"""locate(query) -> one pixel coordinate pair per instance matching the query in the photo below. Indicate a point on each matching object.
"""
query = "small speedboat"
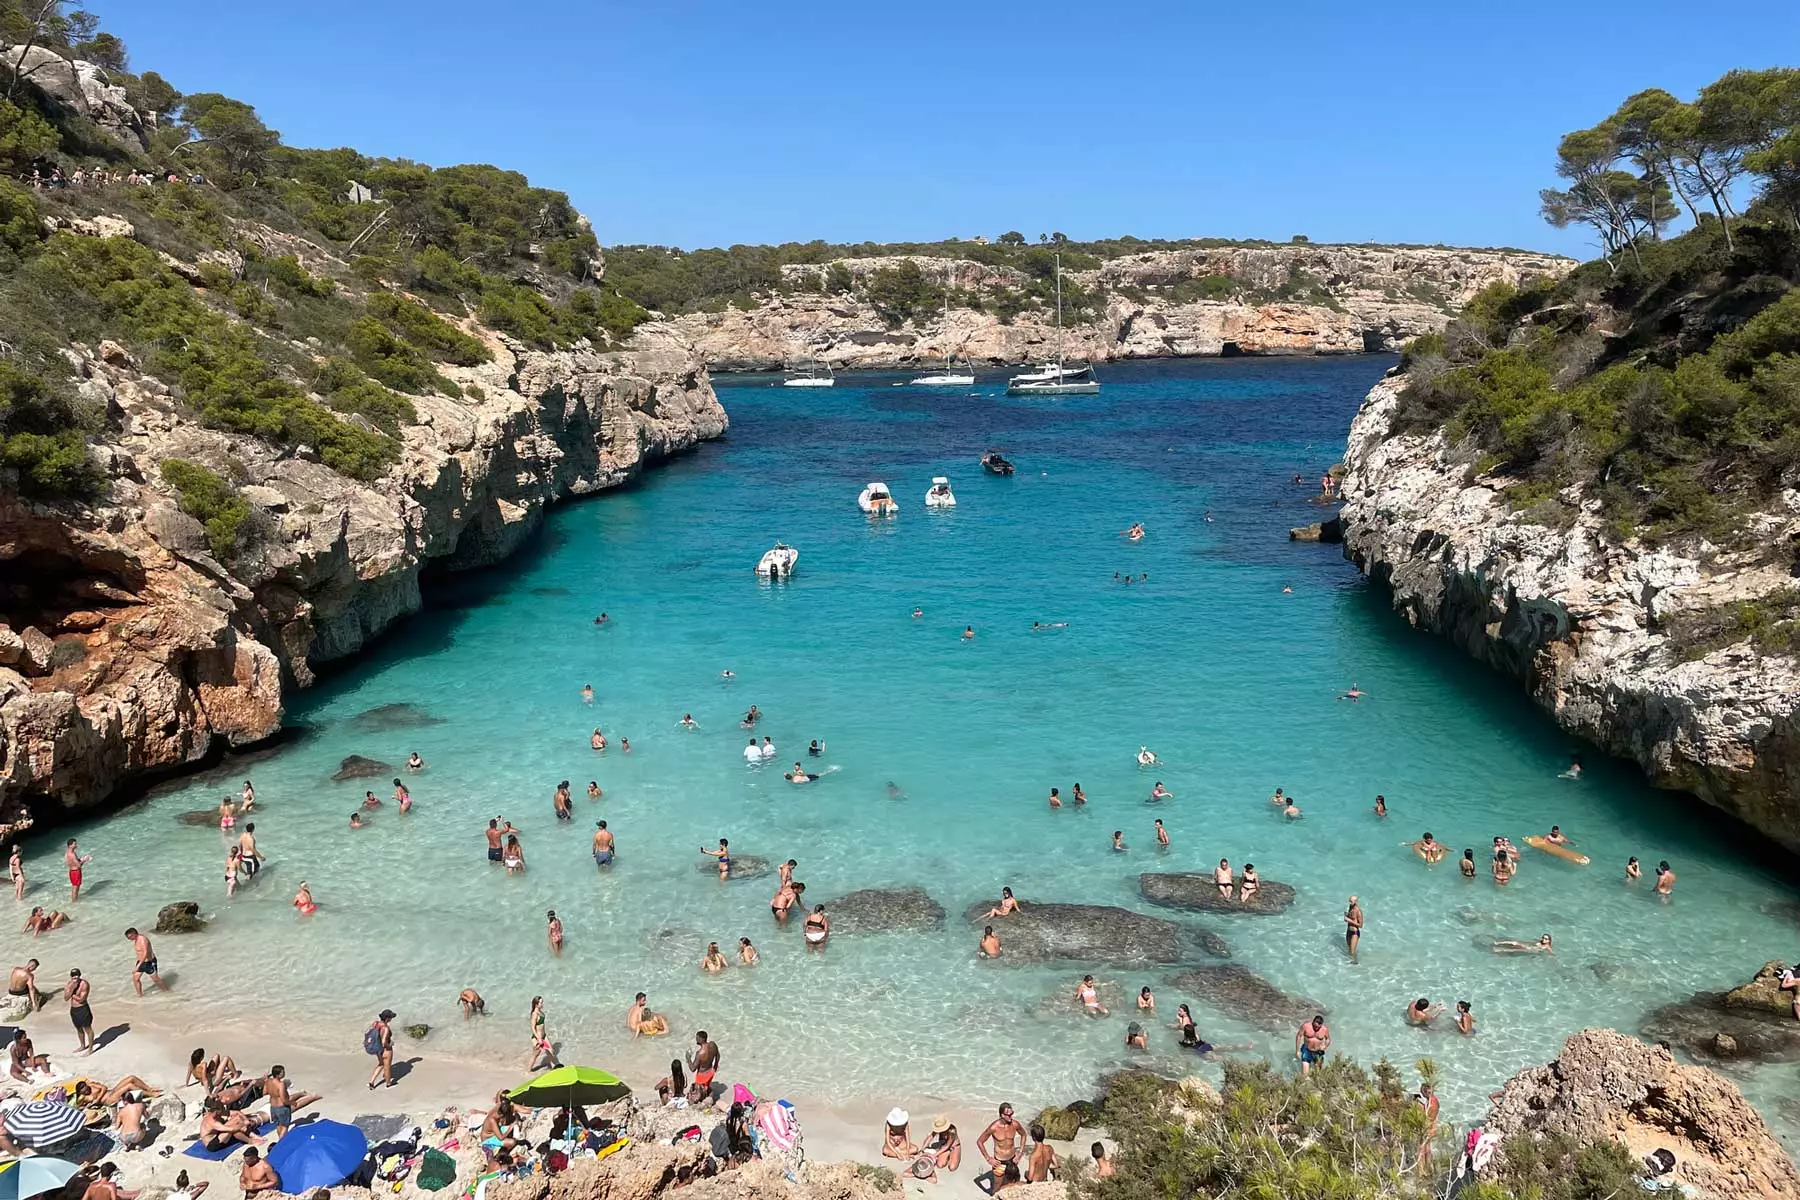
(940, 495)
(779, 562)
(994, 463)
(877, 501)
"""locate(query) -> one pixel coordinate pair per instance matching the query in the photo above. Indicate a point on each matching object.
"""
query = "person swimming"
(414, 762)
(1119, 839)
(1355, 693)
(751, 716)
(1422, 1012)
(1381, 806)
(687, 721)
(1146, 757)
(1428, 849)
(1511, 946)
(587, 693)
(1467, 865)
(1574, 771)
(1555, 837)
(815, 748)
(1162, 834)
(1292, 811)
(798, 775)
(968, 633)
(593, 790)
(1159, 792)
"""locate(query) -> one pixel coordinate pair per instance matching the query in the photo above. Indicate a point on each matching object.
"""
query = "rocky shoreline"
(130, 651)
(1358, 299)
(1581, 619)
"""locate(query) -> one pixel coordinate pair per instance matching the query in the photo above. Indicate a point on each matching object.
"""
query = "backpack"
(372, 1040)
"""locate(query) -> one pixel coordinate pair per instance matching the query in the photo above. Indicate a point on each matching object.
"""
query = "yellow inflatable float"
(1563, 852)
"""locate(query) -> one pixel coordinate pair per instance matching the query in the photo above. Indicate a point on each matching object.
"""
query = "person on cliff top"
(74, 860)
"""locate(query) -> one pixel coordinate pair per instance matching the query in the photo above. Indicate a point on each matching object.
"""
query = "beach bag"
(436, 1171)
(372, 1040)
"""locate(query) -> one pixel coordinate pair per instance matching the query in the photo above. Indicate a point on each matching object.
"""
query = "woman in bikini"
(42, 922)
(1248, 888)
(303, 900)
(1090, 997)
(514, 859)
(818, 927)
(540, 1039)
(248, 800)
(227, 813)
(17, 866)
(232, 858)
(1007, 906)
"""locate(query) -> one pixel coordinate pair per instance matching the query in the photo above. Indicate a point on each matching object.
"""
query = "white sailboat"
(809, 374)
(1055, 379)
(951, 374)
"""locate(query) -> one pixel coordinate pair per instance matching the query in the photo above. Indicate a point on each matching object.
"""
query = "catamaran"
(810, 374)
(1055, 379)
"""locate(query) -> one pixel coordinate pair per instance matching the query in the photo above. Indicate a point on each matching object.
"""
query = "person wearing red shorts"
(75, 860)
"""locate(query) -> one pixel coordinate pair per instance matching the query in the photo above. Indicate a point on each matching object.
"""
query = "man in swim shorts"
(1005, 1135)
(74, 860)
(146, 963)
(1311, 1041)
(603, 845)
(283, 1103)
(495, 836)
(703, 1060)
(24, 983)
(80, 1015)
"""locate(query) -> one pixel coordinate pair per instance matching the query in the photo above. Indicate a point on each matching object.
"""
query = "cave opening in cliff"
(1231, 350)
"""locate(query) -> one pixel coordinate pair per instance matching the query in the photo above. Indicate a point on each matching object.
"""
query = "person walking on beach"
(74, 860)
(80, 1015)
(146, 967)
(1311, 1041)
(283, 1103)
(542, 1052)
(378, 1039)
(1002, 1140)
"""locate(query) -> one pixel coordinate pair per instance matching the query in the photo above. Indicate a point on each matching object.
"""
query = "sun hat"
(940, 1124)
(897, 1117)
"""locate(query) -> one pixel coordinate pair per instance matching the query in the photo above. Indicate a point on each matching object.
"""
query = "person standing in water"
(1353, 928)
(145, 967)
(1665, 878)
(723, 854)
(556, 932)
(1633, 872)
(250, 859)
(1162, 835)
(74, 860)
(1311, 1041)
(603, 845)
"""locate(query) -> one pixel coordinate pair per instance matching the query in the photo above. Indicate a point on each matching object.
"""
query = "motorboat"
(877, 501)
(994, 463)
(940, 495)
(811, 374)
(779, 562)
(1054, 378)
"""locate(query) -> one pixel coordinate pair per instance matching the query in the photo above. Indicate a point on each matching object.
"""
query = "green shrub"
(436, 337)
(390, 359)
(24, 137)
(210, 500)
(44, 439)
(346, 389)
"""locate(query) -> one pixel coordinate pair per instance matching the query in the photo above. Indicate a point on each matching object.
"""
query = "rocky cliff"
(126, 648)
(1583, 620)
(1357, 298)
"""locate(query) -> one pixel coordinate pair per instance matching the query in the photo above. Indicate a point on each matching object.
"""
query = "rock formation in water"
(1199, 892)
(885, 910)
(1375, 297)
(1605, 1085)
(1095, 933)
(128, 649)
(1754, 1021)
(1580, 618)
(1241, 993)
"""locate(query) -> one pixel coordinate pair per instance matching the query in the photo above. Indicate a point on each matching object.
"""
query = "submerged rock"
(1606, 1086)
(1084, 932)
(393, 716)
(884, 910)
(1240, 992)
(198, 816)
(1211, 943)
(743, 866)
(1198, 892)
(358, 767)
(1697, 1024)
(181, 917)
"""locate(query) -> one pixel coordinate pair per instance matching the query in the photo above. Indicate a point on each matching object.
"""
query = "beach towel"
(780, 1126)
(437, 1171)
(198, 1149)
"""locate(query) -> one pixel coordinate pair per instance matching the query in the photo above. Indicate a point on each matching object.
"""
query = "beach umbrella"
(38, 1123)
(571, 1086)
(34, 1176)
(320, 1154)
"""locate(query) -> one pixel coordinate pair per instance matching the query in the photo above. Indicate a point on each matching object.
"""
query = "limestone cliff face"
(1579, 618)
(1380, 297)
(128, 649)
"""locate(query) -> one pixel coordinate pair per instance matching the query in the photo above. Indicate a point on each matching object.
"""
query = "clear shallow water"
(1232, 681)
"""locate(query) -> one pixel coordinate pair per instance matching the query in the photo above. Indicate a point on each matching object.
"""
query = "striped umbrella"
(39, 1123)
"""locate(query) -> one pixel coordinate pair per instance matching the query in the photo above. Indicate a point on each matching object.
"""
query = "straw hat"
(897, 1117)
(940, 1124)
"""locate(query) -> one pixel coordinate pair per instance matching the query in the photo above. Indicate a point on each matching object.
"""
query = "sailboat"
(1055, 379)
(809, 374)
(951, 375)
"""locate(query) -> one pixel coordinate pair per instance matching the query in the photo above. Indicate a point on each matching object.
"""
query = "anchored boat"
(940, 495)
(1055, 379)
(877, 501)
(994, 463)
(811, 374)
(779, 562)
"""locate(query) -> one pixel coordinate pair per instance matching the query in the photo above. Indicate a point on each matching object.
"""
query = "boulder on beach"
(1707, 1027)
(181, 917)
(1097, 933)
(1060, 1124)
(884, 910)
(1606, 1086)
(1240, 992)
(358, 767)
(743, 866)
(1197, 892)
(392, 716)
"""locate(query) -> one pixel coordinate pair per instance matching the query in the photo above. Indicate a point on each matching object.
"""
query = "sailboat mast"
(1059, 332)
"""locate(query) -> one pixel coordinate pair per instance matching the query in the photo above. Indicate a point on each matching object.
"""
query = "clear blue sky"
(702, 123)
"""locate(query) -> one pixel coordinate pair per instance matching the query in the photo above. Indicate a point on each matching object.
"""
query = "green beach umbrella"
(570, 1085)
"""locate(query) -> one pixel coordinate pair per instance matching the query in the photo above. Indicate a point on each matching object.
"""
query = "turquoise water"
(1232, 681)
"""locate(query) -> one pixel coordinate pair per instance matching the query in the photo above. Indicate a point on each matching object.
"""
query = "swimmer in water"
(1286, 590)
(990, 943)
(688, 722)
(1146, 757)
(817, 927)
(1162, 835)
(356, 820)
(1381, 806)
(1427, 849)
(1465, 1019)
(303, 900)
(768, 747)
(1355, 693)
(798, 775)
(968, 633)
(371, 800)
(1159, 792)
(1503, 868)
(602, 619)
(587, 693)
(414, 762)
(1279, 799)
(594, 792)
(1510, 946)
(714, 962)
(1555, 836)
(1007, 906)
(1292, 811)
(1055, 798)
(1574, 771)
(747, 955)
(1467, 865)
(1633, 872)
(624, 745)
(597, 740)
(815, 748)
(1119, 839)
(894, 792)
(917, 613)
(751, 716)
(1080, 796)
(1422, 1012)
(249, 795)
(1135, 532)
(727, 674)
(1353, 928)
(1665, 878)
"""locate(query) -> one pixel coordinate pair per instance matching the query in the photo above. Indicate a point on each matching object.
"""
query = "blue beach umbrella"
(34, 1176)
(39, 1123)
(322, 1154)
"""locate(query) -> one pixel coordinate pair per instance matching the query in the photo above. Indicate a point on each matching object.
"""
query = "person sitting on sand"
(128, 1121)
(220, 1129)
(942, 1150)
(1007, 906)
(471, 1003)
(990, 943)
(26, 1059)
(1429, 849)
(210, 1073)
(1510, 946)
(1422, 1012)
(105, 1185)
(42, 922)
(895, 1141)
(24, 983)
